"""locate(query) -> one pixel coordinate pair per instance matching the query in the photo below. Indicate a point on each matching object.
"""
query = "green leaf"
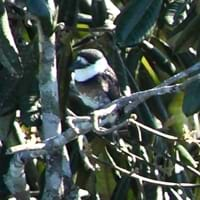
(69, 10)
(122, 188)
(186, 156)
(9, 56)
(38, 8)
(191, 103)
(8, 85)
(44, 10)
(28, 90)
(136, 21)
(98, 12)
(178, 122)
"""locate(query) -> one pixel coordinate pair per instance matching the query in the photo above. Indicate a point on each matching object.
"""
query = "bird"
(96, 84)
(94, 79)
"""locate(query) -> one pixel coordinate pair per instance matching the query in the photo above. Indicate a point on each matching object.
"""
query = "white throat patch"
(82, 75)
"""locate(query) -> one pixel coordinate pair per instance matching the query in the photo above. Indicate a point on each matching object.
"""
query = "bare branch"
(191, 71)
(84, 124)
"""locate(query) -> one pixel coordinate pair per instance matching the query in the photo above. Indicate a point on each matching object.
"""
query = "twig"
(71, 113)
(154, 131)
(105, 131)
(142, 178)
(190, 168)
(25, 147)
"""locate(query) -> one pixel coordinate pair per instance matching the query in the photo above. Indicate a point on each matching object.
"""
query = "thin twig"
(145, 179)
(154, 131)
(105, 131)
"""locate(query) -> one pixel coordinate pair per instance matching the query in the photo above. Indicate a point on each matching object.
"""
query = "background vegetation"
(147, 42)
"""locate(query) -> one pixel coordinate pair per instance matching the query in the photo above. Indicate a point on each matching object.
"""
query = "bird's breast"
(94, 101)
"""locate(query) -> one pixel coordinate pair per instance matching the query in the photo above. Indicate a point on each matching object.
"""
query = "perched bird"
(95, 81)
(93, 78)
(96, 85)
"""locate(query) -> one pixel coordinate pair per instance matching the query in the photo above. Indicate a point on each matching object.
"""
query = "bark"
(58, 167)
(58, 162)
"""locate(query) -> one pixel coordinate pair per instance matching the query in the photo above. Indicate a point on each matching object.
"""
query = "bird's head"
(88, 63)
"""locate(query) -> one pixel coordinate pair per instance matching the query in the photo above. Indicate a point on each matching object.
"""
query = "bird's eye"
(82, 60)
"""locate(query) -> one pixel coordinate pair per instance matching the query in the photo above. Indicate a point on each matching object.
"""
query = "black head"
(88, 64)
(91, 55)
(87, 57)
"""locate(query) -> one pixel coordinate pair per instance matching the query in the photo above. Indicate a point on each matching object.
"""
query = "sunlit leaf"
(186, 156)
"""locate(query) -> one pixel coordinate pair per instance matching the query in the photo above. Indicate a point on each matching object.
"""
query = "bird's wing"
(110, 84)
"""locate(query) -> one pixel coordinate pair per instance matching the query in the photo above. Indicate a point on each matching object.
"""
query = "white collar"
(84, 74)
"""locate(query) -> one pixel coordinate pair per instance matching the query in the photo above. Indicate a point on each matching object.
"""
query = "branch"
(15, 178)
(191, 71)
(84, 124)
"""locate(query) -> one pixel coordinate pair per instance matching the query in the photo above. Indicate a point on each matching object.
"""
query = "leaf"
(191, 103)
(27, 91)
(44, 10)
(150, 70)
(186, 156)
(178, 121)
(160, 59)
(38, 8)
(148, 81)
(8, 85)
(177, 11)
(105, 182)
(136, 21)
(6, 124)
(98, 12)
(121, 189)
(70, 9)
(9, 56)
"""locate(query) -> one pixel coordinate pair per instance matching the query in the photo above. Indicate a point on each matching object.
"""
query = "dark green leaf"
(8, 51)
(69, 9)
(155, 55)
(8, 85)
(136, 21)
(38, 8)
(121, 189)
(98, 12)
(191, 101)
(176, 12)
(44, 11)
(28, 91)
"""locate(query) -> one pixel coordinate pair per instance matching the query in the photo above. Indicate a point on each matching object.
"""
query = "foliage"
(146, 42)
